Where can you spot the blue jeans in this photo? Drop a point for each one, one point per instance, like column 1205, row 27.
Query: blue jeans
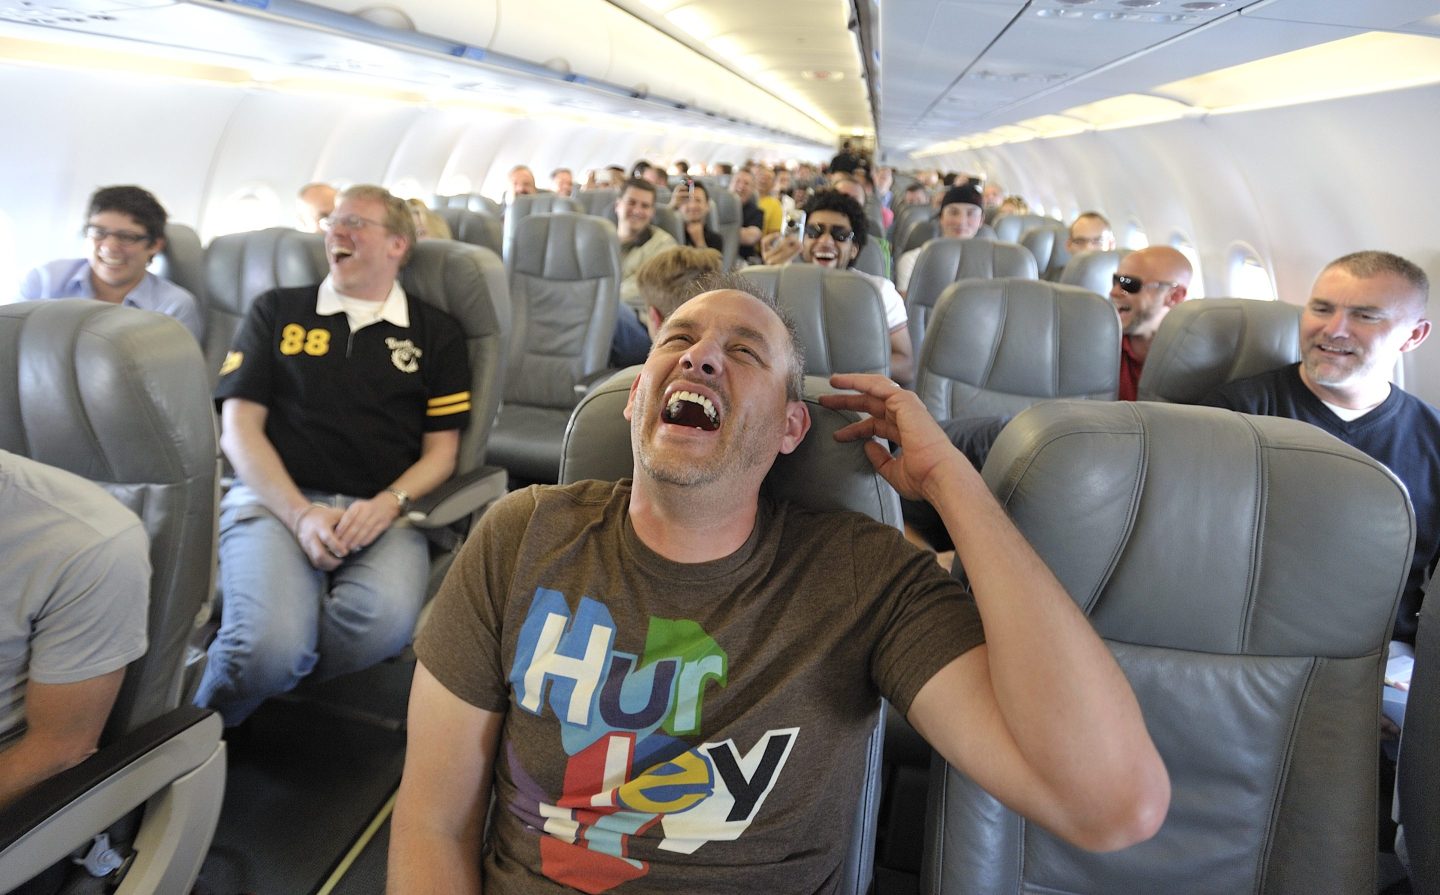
column 284, row 621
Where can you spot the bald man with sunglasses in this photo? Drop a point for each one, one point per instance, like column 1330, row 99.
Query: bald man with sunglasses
column 1145, row 287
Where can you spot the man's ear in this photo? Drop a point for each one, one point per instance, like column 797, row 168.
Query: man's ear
column 1417, row 335
column 156, row 247
column 797, row 423
column 652, row 315
column 1177, row 295
column 630, row 401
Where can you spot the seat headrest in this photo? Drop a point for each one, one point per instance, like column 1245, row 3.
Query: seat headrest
column 475, row 227
column 1009, row 227
column 242, row 266
column 944, row 261
column 183, row 260
column 839, row 316
column 1047, row 243
column 1092, row 270
column 564, row 246
column 821, row 473
column 467, row 282
column 1200, row 529
column 994, row 347
column 1204, row 343
column 92, row 389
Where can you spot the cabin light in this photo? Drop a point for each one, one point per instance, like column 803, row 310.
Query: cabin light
column 1203, row 6
column 1139, row 4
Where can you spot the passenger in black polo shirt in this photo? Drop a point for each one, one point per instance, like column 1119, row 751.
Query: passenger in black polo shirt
column 340, row 403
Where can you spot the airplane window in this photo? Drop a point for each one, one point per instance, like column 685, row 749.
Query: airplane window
column 1197, row 276
column 1134, row 237
column 1249, row 277
column 252, row 207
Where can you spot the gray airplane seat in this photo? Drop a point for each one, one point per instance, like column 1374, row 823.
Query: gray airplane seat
column 1204, row 343
column 1047, row 243
column 522, row 207
column 667, row 219
column 725, row 220
column 1252, row 621
column 917, row 233
column 945, row 261
column 839, row 316
column 598, row 203
column 182, row 261
column 821, row 474
column 470, row 201
column 872, row 259
column 240, row 267
column 1010, row 227
column 1418, row 771
column 1092, row 270
column 468, row 283
column 119, row 396
column 907, row 216
column 475, row 228
column 995, row 347
column 564, row 295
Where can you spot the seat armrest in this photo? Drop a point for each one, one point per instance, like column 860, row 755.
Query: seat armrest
column 458, row 497
column 65, row 811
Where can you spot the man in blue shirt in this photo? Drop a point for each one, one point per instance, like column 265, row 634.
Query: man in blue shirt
column 125, row 230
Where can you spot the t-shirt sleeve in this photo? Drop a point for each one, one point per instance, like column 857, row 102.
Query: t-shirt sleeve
column 927, row 617
column 460, row 643
column 94, row 621
column 895, row 316
column 247, row 369
column 447, row 384
column 904, row 268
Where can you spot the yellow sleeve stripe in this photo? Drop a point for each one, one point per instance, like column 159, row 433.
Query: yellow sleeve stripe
column 448, row 411
column 443, row 400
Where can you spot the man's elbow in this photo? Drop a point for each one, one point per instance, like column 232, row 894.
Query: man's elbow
column 1132, row 814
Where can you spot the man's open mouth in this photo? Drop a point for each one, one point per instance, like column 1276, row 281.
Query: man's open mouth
column 340, row 253
column 690, row 409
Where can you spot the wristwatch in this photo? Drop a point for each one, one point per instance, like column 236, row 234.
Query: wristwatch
column 401, row 497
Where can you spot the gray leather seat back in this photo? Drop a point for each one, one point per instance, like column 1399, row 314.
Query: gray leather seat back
column 945, row 261
column 998, row 346
column 916, row 235
column 1251, row 619
column 907, row 216
column 242, row 266
column 821, row 474
column 470, row 201
column 522, row 207
column 725, row 220
column 839, row 316
column 564, row 292
column 1419, row 767
column 666, row 219
column 1009, row 227
column 1205, row 343
column 476, row 228
column 468, row 283
column 599, row 203
column 1092, row 270
column 1047, row 243
column 119, row 396
column 183, row 261
column 872, row 259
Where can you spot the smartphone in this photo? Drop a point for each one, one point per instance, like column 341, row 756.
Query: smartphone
column 794, row 225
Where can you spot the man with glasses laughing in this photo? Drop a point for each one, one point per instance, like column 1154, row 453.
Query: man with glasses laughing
column 340, row 403
column 124, row 231
column 1146, row 286
column 835, row 232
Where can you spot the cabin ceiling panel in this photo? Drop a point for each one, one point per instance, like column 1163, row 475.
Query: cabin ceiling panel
column 1371, row 15
column 926, row 47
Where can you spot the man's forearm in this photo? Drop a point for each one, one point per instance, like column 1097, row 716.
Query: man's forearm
column 426, row 863
column 1067, row 704
column 259, row 467
column 30, row 761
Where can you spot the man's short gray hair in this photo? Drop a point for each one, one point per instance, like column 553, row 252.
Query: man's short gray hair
column 1374, row 263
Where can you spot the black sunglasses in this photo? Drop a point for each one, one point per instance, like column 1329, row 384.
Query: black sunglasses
column 1133, row 285
column 837, row 232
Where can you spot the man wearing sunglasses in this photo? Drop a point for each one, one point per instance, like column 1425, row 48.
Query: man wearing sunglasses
column 340, row 404
column 1146, row 286
column 125, row 230
column 835, row 232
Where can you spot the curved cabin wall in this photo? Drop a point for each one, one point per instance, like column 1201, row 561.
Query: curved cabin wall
column 1300, row 184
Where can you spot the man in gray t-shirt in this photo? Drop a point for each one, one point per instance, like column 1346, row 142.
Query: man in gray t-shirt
column 73, row 605
column 666, row 682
